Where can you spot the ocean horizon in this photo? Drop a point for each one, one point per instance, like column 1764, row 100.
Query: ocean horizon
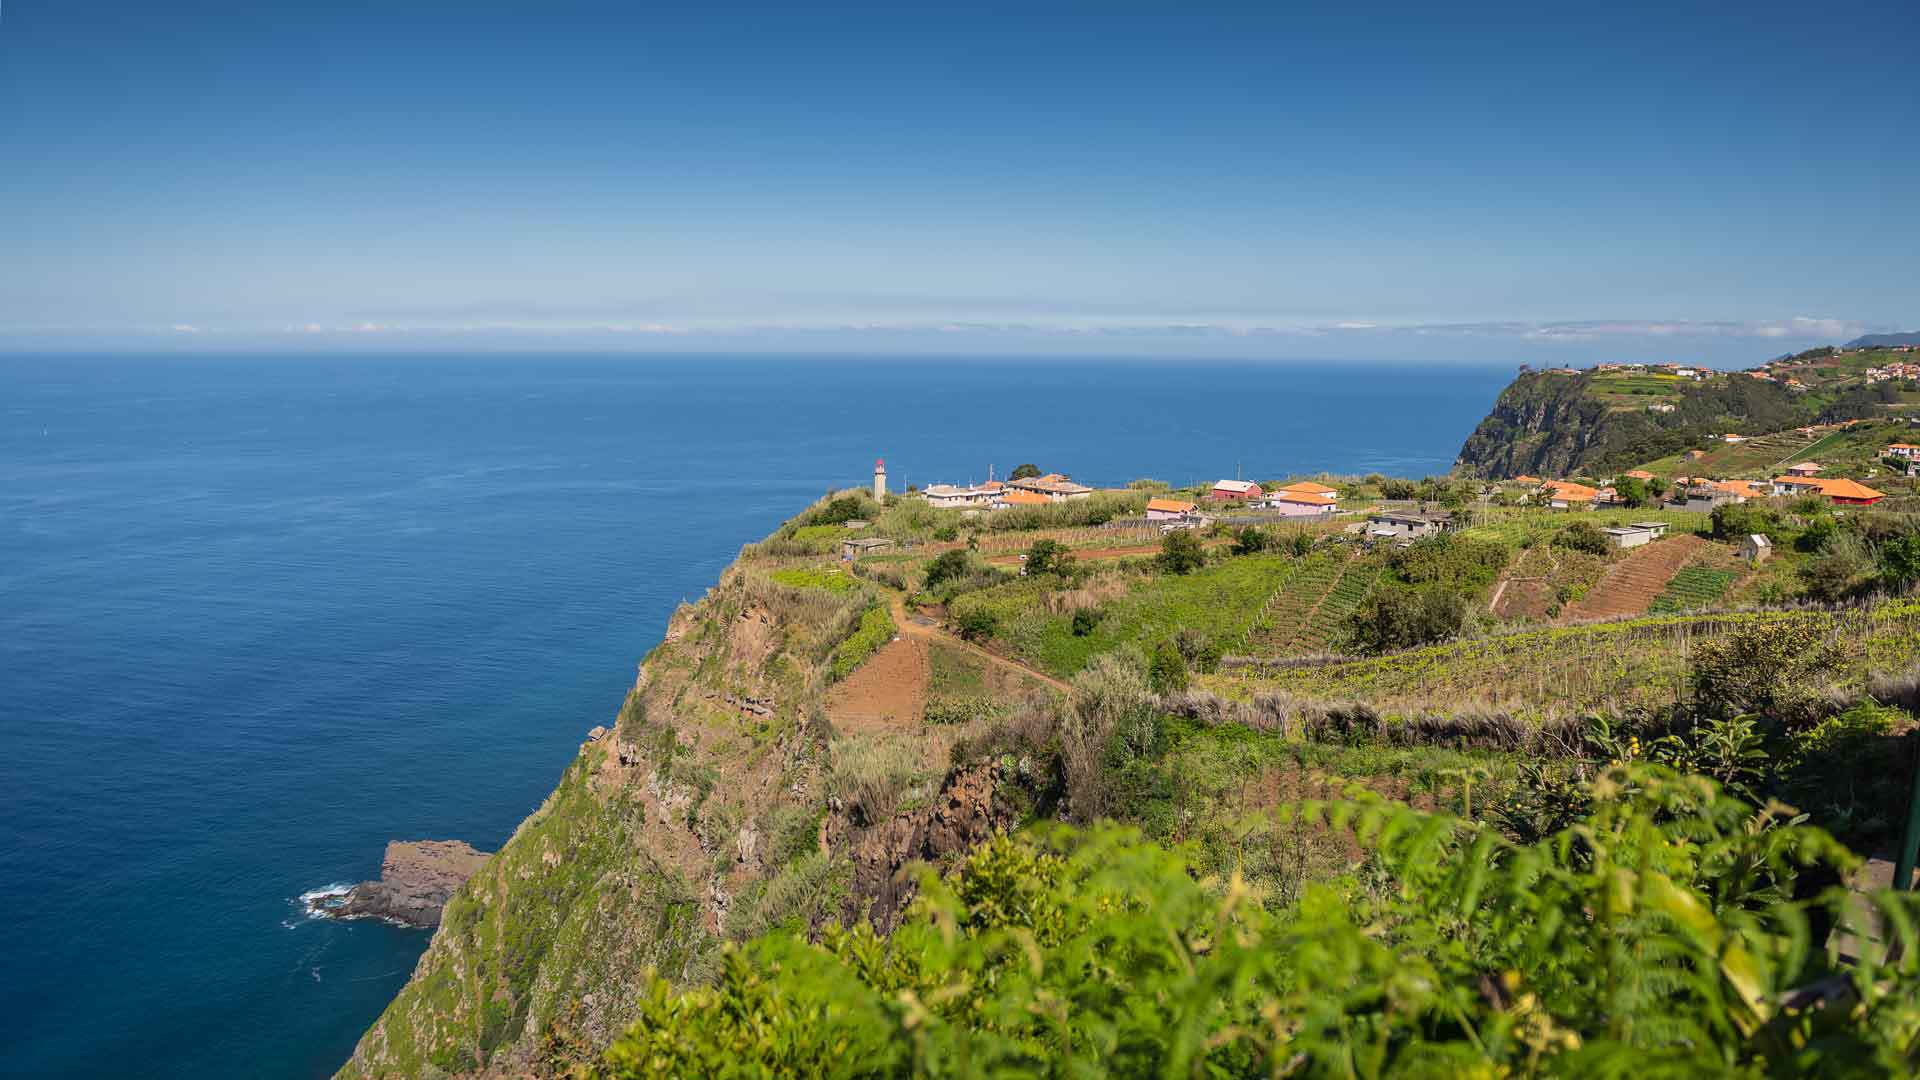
column 260, row 615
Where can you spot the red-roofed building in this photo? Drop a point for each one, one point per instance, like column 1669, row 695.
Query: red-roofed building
column 1235, row 489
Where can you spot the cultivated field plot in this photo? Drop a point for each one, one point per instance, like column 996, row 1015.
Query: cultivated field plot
column 1693, row 588
column 1567, row 669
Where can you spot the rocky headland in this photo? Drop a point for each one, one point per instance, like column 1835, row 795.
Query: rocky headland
column 416, row 878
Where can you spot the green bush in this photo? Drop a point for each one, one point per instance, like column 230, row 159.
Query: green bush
column 1168, row 670
column 1181, row 553
column 976, row 624
column 1403, row 618
column 1046, row 557
column 1582, row 536
column 1655, row 938
column 1776, row 669
column 945, row 567
column 1250, row 540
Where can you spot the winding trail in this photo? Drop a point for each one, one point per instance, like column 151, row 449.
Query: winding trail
column 917, row 626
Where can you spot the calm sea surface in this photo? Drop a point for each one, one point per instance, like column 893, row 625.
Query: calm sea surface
column 260, row 615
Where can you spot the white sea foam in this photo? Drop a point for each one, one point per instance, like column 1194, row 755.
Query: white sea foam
column 316, row 902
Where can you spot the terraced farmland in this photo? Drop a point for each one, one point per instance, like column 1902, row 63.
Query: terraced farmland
column 1286, row 613
column 1693, row 588
column 1329, row 623
column 1631, row 584
column 1567, row 669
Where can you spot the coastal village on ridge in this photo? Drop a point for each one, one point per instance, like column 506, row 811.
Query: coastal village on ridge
column 1632, row 568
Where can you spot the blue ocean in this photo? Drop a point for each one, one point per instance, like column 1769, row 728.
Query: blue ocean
column 259, row 615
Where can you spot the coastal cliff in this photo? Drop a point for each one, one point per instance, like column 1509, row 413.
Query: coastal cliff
column 1591, row 422
column 720, row 803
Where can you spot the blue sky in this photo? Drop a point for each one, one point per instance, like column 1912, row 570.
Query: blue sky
column 1444, row 182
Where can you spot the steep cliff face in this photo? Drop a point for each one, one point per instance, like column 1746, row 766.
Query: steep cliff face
column 707, row 813
column 1541, row 424
column 1548, row 424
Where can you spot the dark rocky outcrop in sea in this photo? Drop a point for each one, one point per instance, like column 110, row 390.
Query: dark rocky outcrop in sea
column 416, row 879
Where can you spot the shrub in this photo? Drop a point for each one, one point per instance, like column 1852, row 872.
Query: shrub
column 1777, row 669
column 1582, row 536
column 1085, row 620
column 1633, row 491
column 1732, row 521
column 1168, row 671
column 1110, row 719
column 1180, row 552
column 842, row 509
column 1396, row 488
column 1047, row 556
column 976, row 624
column 945, row 567
column 1454, row 562
column 1401, row 618
column 1653, row 938
column 1250, row 540
column 1842, row 571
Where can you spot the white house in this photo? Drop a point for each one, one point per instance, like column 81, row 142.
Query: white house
column 1635, row 534
column 953, row 495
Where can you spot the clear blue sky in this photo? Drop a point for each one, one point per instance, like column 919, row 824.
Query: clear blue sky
column 1447, row 182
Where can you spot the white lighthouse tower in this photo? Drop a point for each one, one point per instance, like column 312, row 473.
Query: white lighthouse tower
column 880, row 479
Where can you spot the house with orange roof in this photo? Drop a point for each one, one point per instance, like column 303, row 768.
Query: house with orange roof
column 1170, row 509
column 1301, row 503
column 1309, row 486
column 1850, row 493
column 1805, row 468
column 1020, row 497
column 1567, row 495
column 1638, row 474
column 1795, row 485
column 1904, row 450
column 1525, row 479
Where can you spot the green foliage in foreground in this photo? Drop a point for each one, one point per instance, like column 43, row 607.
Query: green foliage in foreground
column 876, row 629
column 1654, row 938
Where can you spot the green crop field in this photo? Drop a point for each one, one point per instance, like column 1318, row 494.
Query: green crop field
column 1692, row 588
column 1219, row 601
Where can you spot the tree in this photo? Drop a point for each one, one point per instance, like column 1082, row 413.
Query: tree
column 1403, row 618
column 1842, row 571
column 1168, row 670
column 1024, row 471
column 977, row 624
column 1582, row 536
column 1046, row 557
column 1249, row 541
column 1900, row 561
column 1181, row 553
column 1776, row 669
column 947, row 566
column 1397, row 488
column 1633, row 491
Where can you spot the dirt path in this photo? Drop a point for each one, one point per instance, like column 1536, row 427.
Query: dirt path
column 887, row 693
column 1630, row 585
column 913, row 626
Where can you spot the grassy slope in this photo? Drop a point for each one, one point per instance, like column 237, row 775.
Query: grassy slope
column 1221, row 600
